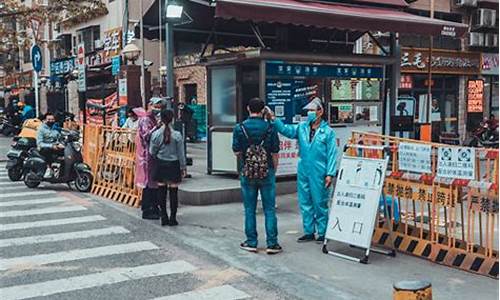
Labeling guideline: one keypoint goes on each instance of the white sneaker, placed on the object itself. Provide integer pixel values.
(49, 173)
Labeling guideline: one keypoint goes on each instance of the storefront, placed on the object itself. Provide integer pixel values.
(489, 72)
(290, 51)
(450, 71)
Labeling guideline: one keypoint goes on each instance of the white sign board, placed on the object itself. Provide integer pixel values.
(456, 162)
(122, 87)
(80, 62)
(355, 200)
(415, 157)
(288, 156)
(82, 84)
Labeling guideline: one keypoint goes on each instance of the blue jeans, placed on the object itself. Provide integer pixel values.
(249, 191)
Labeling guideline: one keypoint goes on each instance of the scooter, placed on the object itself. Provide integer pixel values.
(483, 136)
(17, 155)
(11, 126)
(66, 169)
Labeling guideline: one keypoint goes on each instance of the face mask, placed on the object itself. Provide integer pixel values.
(156, 111)
(50, 124)
(311, 116)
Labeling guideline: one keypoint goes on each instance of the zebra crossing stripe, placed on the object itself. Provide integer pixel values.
(19, 183)
(113, 276)
(22, 194)
(72, 255)
(32, 202)
(48, 223)
(224, 292)
(61, 236)
(41, 211)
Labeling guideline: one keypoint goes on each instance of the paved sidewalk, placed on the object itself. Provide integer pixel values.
(303, 270)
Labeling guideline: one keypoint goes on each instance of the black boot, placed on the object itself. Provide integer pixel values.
(174, 203)
(148, 197)
(162, 202)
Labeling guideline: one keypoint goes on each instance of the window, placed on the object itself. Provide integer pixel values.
(27, 55)
(190, 93)
(88, 36)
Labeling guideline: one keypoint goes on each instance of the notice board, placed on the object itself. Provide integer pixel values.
(356, 200)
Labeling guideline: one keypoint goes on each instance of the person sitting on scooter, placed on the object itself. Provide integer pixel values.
(26, 111)
(47, 141)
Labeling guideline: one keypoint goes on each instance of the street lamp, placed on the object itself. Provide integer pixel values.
(131, 52)
(173, 12)
(75, 73)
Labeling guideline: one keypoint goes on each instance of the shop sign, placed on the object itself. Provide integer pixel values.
(122, 91)
(115, 65)
(112, 43)
(456, 162)
(406, 82)
(279, 68)
(475, 92)
(443, 61)
(356, 200)
(489, 64)
(414, 157)
(62, 67)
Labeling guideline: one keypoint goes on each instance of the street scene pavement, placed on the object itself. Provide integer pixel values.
(59, 244)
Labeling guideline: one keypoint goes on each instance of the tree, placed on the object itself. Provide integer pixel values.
(22, 25)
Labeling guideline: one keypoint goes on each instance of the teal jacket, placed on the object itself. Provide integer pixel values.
(318, 157)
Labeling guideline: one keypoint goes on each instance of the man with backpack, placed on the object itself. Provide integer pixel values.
(256, 144)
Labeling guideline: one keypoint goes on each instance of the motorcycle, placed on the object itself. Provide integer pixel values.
(11, 125)
(68, 169)
(17, 155)
(483, 136)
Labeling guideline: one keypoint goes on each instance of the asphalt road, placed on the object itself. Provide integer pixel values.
(58, 244)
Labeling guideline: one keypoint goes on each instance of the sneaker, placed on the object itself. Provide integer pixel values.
(274, 249)
(245, 246)
(173, 222)
(49, 173)
(320, 239)
(306, 238)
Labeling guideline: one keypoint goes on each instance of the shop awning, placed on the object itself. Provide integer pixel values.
(335, 15)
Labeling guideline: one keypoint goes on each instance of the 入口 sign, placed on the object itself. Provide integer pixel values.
(415, 157)
(456, 162)
(475, 92)
(355, 201)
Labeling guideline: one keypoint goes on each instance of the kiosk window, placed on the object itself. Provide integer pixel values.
(223, 96)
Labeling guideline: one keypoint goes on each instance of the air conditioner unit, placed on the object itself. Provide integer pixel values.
(466, 3)
(491, 40)
(476, 39)
(98, 44)
(484, 18)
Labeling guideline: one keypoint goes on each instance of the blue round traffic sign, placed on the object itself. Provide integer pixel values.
(36, 58)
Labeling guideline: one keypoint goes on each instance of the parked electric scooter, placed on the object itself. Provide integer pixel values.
(17, 155)
(66, 169)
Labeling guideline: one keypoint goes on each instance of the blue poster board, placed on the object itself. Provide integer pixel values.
(115, 65)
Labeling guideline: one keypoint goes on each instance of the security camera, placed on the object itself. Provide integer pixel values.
(147, 63)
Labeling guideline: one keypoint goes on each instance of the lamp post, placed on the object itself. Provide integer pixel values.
(173, 12)
(131, 52)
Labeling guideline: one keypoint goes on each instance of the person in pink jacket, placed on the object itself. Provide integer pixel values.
(144, 161)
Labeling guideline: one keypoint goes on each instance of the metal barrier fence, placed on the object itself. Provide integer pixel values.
(448, 221)
(111, 154)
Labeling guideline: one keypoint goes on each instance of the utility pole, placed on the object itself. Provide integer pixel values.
(429, 74)
(143, 85)
(169, 47)
(160, 21)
